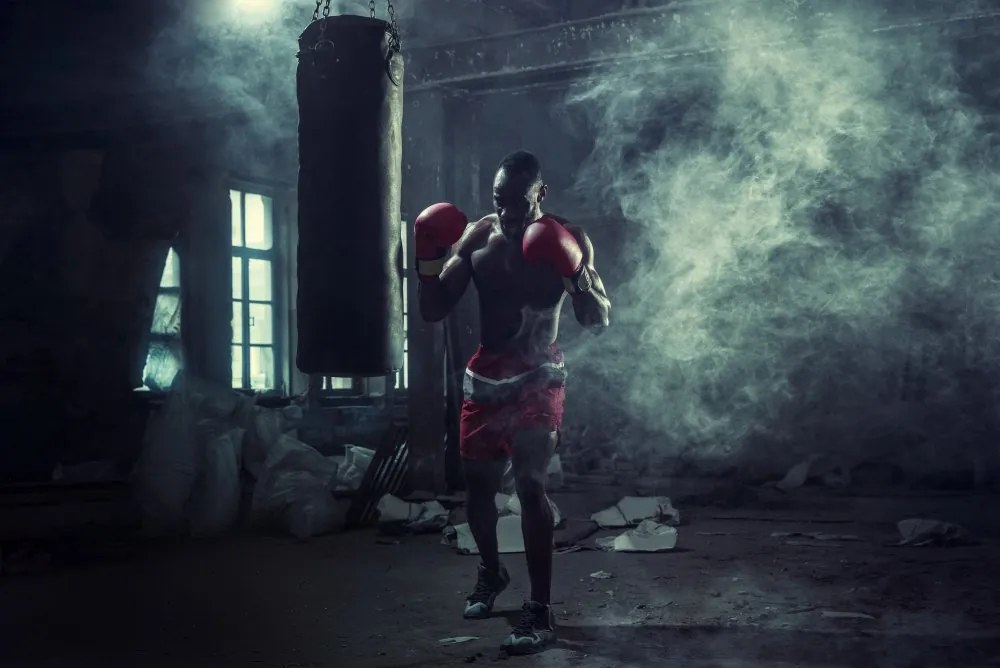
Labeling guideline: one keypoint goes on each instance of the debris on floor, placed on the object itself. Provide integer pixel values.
(574, 531)
(459, 536)
(509, 538)
(602, 575)
(457, 640)
(513, 506)
(399, 516)
(836, 614)
(815, 535)
(632, 510)
(830, 470)
(923, 532)
(649, 536)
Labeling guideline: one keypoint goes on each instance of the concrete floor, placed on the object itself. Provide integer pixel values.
(731, 595)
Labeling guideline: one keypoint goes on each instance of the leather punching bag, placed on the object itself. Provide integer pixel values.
(349, 85)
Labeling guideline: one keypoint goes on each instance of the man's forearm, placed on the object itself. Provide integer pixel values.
(433, 300)
(592, 308)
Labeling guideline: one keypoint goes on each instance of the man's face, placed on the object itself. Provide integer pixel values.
(515, 199)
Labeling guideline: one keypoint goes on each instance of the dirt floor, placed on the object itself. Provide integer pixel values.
(732, 594)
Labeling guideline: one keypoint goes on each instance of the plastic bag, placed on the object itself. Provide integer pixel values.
(215, 503)
(169, 463)
(294, 489)
(352, 470)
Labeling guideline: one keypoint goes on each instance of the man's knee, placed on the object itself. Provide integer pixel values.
(482, 480)
(530, 487)
(532, 450)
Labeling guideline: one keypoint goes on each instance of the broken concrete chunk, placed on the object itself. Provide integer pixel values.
(631, 510)
(649, 536)
(922, 532)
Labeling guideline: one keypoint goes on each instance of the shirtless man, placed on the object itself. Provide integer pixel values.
(523, 263)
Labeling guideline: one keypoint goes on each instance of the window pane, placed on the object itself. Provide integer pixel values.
(237, 366)
(237, 278)
(259, 273)
(258, 223)
(406, 300)
(171, 277)
(261, 368)
(162, 363)
(402, 234)
(261, 327)
(167, 315)
(234, 199)
(335, 383)
(237, 322)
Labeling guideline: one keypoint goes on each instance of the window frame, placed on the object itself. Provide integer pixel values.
(174, 340)
(279, 315)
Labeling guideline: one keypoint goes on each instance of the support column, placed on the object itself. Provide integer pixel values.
(424, 156)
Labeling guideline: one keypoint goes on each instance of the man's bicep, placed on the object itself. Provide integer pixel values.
(586, 245)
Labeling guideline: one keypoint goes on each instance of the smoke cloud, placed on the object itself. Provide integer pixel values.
(237, 59)
(812, 212)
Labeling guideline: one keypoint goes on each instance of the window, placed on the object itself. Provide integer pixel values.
(403, 375)
(163, 359)
(254, 362)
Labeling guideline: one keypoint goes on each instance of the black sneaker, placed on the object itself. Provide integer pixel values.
(536, 631)
(479, 604)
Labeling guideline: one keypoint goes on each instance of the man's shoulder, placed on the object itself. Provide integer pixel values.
(476, 234)
(573, 229)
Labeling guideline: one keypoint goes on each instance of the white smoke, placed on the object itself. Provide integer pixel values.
(236, 60)
(812, 211)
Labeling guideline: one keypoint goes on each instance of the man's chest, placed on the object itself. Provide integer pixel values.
(502, 270)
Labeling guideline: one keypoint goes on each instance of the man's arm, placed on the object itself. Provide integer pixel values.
(438, 297)
(592, 308)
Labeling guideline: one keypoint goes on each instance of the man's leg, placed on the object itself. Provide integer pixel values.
(482, 482)
(531, 451)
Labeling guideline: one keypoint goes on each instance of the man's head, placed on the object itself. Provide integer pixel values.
(518, 192)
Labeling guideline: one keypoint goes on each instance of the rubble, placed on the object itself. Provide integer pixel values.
(631, 510)
(923, 532)
(649, 536)
(397, 515)
(509, 538)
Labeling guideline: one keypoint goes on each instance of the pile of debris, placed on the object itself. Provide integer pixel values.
(207, 447)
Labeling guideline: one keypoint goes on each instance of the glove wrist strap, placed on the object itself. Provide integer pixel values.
(430, 269)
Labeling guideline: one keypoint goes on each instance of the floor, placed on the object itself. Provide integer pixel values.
(732, 594)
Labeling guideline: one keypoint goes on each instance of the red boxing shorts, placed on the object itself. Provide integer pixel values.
(505, 392)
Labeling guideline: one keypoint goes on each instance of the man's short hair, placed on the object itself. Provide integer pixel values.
(522, 162)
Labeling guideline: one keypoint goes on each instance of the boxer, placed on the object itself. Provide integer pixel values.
(523, 263)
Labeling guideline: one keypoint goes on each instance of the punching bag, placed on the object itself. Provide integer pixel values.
(349, 86)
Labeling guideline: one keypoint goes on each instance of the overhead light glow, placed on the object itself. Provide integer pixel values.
(254, 11)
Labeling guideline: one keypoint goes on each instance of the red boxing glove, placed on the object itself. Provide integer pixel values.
(437, 228)
(546, 240)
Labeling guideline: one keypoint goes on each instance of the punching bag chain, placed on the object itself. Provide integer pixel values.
(326, 9)
(394, 42)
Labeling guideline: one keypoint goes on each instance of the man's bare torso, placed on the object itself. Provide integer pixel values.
(519, 301)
